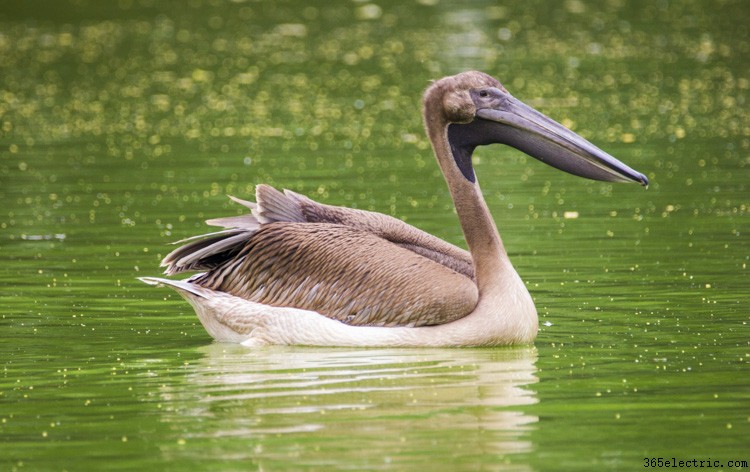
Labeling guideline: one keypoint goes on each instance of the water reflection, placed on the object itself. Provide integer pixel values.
(461, 405)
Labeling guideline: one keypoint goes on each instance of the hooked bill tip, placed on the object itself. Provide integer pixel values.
(643, 180)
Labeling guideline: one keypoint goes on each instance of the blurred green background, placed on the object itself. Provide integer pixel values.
(123, 125)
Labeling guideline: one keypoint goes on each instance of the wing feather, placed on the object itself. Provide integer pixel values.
(346, 274)
(297, 207)
(205, 254)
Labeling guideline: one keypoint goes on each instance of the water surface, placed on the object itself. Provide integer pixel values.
(123, 125)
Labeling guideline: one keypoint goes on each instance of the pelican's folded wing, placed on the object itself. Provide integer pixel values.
(293, 207)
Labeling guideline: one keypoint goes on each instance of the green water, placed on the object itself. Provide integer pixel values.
(123, 125)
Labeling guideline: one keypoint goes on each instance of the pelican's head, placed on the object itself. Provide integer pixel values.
(477, 110)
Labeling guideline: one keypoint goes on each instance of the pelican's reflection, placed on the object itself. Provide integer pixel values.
(359, 407)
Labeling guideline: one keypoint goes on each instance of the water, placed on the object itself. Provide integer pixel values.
(124, 125)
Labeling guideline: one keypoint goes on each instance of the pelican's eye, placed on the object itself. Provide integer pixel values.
(484, 93)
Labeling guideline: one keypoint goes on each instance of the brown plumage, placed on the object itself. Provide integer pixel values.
(358, 267)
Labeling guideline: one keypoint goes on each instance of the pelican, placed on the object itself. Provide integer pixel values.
(297, 272)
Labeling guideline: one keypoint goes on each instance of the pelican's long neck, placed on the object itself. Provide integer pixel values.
(486, 247)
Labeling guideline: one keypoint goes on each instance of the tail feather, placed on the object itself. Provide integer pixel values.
(181, 286)
(207, 251)
(276, 206)
(251, 205)
(248, 222)
(205, 254)
(206, 235)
